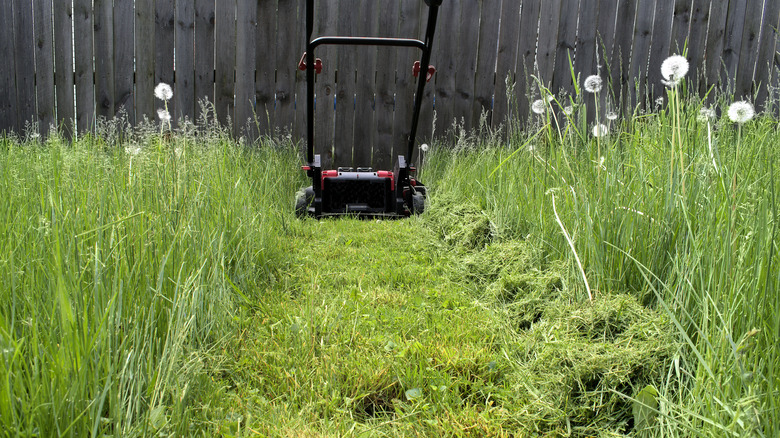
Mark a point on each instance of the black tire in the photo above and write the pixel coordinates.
(303, 200)
(418, 199)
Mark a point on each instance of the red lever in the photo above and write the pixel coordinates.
(317, 64)
(416, 70)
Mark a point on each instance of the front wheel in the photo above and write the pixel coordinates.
(303, 200)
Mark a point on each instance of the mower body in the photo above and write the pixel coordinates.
(363, 191)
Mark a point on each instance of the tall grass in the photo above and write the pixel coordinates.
(118, 270)
(706, 254)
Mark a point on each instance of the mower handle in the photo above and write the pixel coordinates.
(435, 2)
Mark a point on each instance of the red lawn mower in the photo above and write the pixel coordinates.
(363, 191)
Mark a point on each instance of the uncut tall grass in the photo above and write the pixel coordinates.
(120, 265)
(705, 254)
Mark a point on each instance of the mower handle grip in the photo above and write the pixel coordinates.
(433, 2)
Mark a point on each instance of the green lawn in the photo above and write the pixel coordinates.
(163, 286)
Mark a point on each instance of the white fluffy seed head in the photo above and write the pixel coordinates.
(424, 147)
(741, 112)
(600, 130)
(568, 110)
(538, 106)
(674, 69)
(163, 91)
(611, 115)
(164, 115)
(593, 84)
(706, 115)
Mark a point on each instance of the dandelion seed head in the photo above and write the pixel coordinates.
(674, 69)
(659, 102)
(538, 106)
(600, 130)
(611, 115)
(568, 110)
(593, 84)
(549, 98)
(163, 91)
(706, 115)
(424, 147)
(741, 112)
(164, 115)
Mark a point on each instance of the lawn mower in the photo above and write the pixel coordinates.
(363, 191)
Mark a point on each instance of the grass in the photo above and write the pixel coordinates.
(161, 285)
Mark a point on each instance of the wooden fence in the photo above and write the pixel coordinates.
(68, 62)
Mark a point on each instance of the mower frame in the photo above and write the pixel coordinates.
(363, 191)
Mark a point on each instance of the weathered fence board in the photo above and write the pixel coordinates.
(409, 24)
(82, 58)
(123, 35)
(326, 24)
(184, 61)
(387, 26)
(286, 58)
(44, 59)
(144, 59)
(484, 80)
(205, 20)
(8, 108)
(225, 59)
(768, 58)
(365, 67)
(246, 23)
(265, 65)
(526, 56)
(748, 54)
(446, 49)
(164, 36)
(506, 61)
(345, 88)
(24, 56)
(82, 48)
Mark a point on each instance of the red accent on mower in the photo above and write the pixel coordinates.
(363, 191)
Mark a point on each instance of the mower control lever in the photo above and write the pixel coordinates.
(317, 64)
(416, 70)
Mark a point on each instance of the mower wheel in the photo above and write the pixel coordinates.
(418, 201)
(303, 200)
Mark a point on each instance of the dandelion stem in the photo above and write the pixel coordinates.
(574, 251)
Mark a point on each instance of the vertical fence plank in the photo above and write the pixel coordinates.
(184, 61)
(466, 63)
(44, 64)
(265, 64)
(605, 38)
(83, 56)
(124, 96)
(566, 42)
(365, 67)
(408, 27)
(299, 87)
(24, 53)
(385, 86)
(104, 58)
(661, 43)
(735, 24)
(748, 54)
(345, 87)
(484, 82)
(506, 59)
(445, 51)
(286, 59)
(715, 44)
(768, 60)
(164, 36)
(246, 24)
(63, 65)
(697, 40)
(144, 60)
(8, 119)
(204, 52)
(550, 19)
(526, 57)
(621, 51)
(585, 61)
(326, 22)
(225, 60)
(640, 52)
(681, 25)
